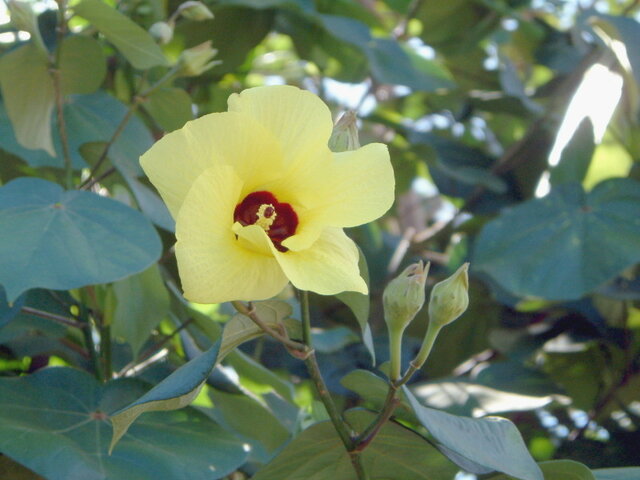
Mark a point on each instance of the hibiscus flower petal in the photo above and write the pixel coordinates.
(213, 265)
(299, 119)
(356, 188)
(328, 267)
(175, 161)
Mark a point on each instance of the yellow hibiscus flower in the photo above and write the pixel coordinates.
(260, 200)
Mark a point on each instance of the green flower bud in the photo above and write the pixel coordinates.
(404, 296)
(162, 32)
(197, 60)
(402, 300)
(194, 10)
(22, 16)
(449, 298)
(24, 19)
(345, 133)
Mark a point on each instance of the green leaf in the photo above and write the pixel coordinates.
(88, 118)
(306, 5)
(576, 156)
(332, 340)
(222, 31)
(628, 473)
(473, 399)
(454, 25)
(249, 417)
(560, 470)
(585, 239)
(360, 305)
(95, 117)
(627, 31)
(142, 302)
(55, 422)
(396, 453)
(257, 375)
(83, 66)
(151, 204)
(8, 312)
(388, 61)
(366, 384)
(62, 240)
(176, 391)
(133, 42)
(169, 107)
(492, 442)
(29, 98)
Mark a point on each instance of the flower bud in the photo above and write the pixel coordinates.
(197, 60)
(449, 298)
(22, 16)
(345, 133)
(404, 296)
(162, 32)
(193, 10)
(24, 19)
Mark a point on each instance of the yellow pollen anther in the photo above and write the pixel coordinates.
(266, 216)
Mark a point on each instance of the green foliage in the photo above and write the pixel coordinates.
(141, 302)
(98, 345)
(133, 42)
(395, 453)
(108, 239)
(28, 94)
(176, 391)
(56, 421)
(569, 228)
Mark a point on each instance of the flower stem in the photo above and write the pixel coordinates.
(306, 318)
(54, 70)
(390, 404)
(323, 392)
(392, 401)
(341, 426)
(395, 351)
(427, 344)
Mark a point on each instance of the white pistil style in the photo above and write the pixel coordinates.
(266, 216)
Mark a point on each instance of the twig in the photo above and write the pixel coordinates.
(54, 71)
(153, 349)
(390, 404)
(342, 427)
(305, 352)
(251, 313)
(56, 318)
(91, 181)
(138, 99)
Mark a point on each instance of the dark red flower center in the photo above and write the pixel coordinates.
(279, 220)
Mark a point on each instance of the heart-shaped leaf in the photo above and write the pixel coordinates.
(55, 422)
(584, 239)
(62, 240)
(396, 452)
